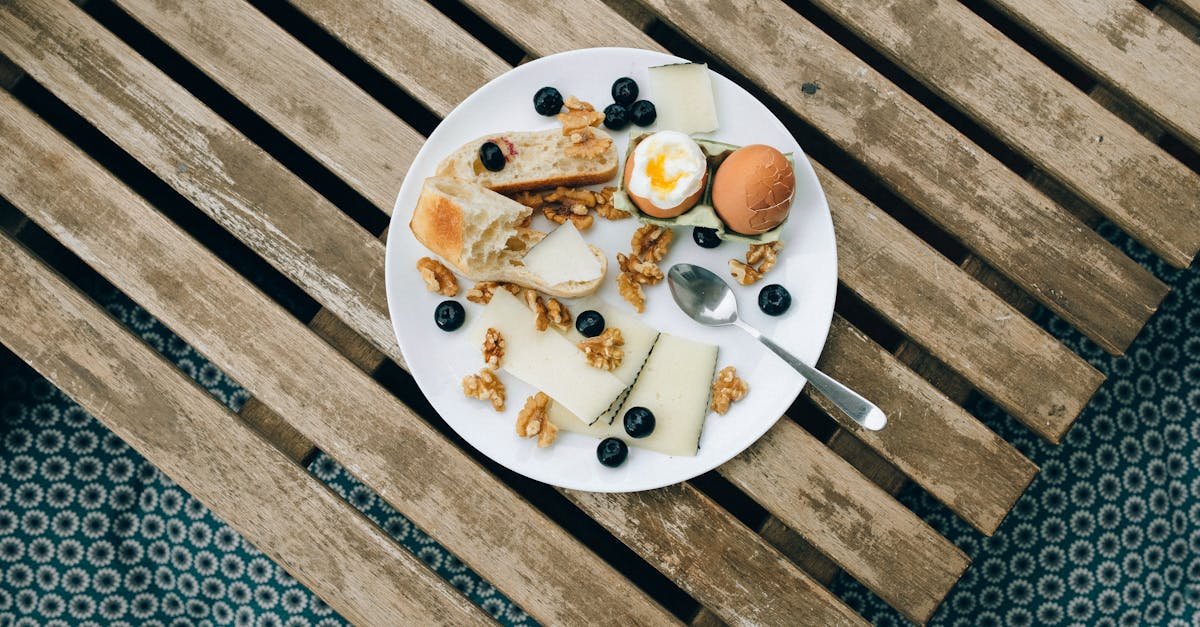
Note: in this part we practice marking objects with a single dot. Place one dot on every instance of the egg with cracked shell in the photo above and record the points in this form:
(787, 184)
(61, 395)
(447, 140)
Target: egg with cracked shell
(753, 188)
(665, 174)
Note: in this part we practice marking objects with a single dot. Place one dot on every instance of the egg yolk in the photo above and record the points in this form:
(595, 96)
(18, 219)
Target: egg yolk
(656, 172)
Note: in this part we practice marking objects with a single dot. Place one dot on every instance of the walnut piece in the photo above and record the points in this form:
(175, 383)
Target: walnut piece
(760, 258)
(726, 389)
(438, 277)
(572, 203)
(485, 386)
(604, 351)
(558, 314)
(631, 291)
(650, 242)
(743, 273)
(573, 103)
(481, 293)
(575, 120)
(534, 419)
(586, 144)
(644, 272)
(493, 348)
(541, 316)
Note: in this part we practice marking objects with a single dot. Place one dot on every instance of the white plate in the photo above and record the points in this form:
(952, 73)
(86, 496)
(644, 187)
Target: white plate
(807, 267)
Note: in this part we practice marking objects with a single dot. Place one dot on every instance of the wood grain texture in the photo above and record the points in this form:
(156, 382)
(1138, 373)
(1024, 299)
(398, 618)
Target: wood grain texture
(1189, 9)
(714, 557)
(544, 28)
(1005, 355)
(275, 504)
(367, 430)
(332, 119)
(929, 436)
(1127, 48)
(850, 519)
(423, 51)
(980, 71)
(954, 182)
(202, 157)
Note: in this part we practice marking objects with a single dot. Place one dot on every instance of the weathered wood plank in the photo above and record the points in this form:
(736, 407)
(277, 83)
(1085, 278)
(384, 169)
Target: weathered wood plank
(332, 119)
(1123, 175)
(302, 525)
(1189, 9)
(547, 28)
(1127, 48)
(954, 182)
(429, 56)
(297, 375)
(851, 520)
(941, 447)
(201, 156)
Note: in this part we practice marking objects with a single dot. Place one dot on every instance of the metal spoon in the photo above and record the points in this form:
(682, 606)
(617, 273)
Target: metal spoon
(708, 300)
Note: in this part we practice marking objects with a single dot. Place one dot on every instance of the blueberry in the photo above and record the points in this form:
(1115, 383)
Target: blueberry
(705, 238)
(624, 90)
(612, 452)
(449, 315)
(491, 156)
(774, 299)
(616, 116)
(642, 113)
(589, 323)
(639, 422)
(547, 101)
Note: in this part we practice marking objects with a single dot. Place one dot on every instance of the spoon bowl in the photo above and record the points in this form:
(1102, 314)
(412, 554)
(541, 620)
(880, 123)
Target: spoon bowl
(708, 299)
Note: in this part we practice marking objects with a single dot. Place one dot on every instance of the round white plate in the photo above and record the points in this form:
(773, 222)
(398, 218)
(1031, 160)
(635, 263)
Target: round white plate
(807, 267)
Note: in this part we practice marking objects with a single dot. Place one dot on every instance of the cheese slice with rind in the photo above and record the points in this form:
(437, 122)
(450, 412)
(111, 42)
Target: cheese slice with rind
(546, 360)
(674, 385)
(638, 337)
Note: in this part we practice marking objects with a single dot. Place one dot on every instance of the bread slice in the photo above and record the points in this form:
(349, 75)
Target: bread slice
(478, 233)
(539, 162)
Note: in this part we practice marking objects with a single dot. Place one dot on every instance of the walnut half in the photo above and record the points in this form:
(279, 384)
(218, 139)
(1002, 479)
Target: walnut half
(727, 389)
(438, 277)
(485, 386)
(760, 258)
(604, 350)
(534, 419)
(493, 348)
(481, 293)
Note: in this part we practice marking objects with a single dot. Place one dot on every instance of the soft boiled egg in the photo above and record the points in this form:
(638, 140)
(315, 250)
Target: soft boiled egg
(665, 174)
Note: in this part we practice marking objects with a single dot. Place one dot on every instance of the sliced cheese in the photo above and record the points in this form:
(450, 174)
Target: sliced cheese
(563, 257)
(683, 97)
(546, 360)
(674, 385)
(639, 338)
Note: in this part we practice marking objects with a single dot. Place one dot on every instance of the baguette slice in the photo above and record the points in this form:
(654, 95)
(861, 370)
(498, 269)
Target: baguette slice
(478, 233)
(540, 162)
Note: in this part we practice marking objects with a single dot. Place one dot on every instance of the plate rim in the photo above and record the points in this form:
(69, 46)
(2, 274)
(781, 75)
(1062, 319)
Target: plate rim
(396, 223)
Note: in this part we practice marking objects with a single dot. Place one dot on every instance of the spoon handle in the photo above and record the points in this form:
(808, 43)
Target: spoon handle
(859, 409)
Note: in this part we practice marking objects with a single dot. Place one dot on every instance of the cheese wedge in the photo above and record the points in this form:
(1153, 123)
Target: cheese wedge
(563, 257)
(546, 360)
(674, 385)
(683, 97)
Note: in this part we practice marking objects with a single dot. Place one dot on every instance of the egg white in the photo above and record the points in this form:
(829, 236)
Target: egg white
(683, 169)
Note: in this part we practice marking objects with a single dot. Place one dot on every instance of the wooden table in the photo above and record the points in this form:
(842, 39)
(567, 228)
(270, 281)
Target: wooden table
(967, 153)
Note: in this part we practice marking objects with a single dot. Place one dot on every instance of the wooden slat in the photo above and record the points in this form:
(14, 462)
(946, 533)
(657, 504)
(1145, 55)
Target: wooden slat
(285, 512)
(954, 182)
(201, 156)
(1129, 49)
(851, 520)
(1007, 90)
(297, 375)
(941, 447)
(437, 62)
(352, 135)
(1189, 9)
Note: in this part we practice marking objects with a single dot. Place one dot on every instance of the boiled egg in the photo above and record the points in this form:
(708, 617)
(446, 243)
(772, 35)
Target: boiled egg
(665, 174)
(753, 189)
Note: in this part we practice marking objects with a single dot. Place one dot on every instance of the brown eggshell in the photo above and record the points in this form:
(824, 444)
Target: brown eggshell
(753, 188)
(650, 208)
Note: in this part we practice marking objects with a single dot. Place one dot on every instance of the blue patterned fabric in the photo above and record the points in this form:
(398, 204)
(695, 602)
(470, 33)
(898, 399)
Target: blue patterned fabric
(1108, 534)
(1109, 531)
(92, 534)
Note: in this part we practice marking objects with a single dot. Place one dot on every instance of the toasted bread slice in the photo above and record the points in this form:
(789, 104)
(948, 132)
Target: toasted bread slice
(478, 233)
(536, 160)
